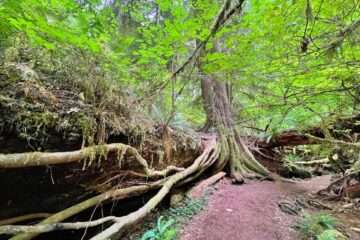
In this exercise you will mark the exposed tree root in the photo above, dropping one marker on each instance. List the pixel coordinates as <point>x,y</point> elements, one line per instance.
<point>199,190</point>
<point>43,228</point>
<point>204,161</point>
<point>24,218</point>
<point>73,210</point>
<point>88,155</point>
<point>241,161</point>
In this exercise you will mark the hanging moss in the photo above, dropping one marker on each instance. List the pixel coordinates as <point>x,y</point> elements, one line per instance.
<point>87,125</point>
<point>91,154</point>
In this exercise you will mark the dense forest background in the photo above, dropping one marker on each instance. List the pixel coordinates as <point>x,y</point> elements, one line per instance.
<point>108,100</point>
<point>289,63</point>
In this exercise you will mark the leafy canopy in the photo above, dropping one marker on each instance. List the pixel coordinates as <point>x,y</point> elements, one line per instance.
<point>290,63</point>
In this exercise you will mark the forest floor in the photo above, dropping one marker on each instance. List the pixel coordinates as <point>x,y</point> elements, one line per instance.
<point>251,211</point>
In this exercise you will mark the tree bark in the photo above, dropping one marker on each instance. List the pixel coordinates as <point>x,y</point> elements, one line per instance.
<point>217,105</point>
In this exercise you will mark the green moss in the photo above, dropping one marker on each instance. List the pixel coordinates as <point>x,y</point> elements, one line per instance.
<point>35,125</point>
<point>318,226</point>
<point>87,125</point>
<point>91,154</point>
<point>31,157</point>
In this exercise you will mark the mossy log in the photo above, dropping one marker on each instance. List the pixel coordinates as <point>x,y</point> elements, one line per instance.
<point>314,135</point>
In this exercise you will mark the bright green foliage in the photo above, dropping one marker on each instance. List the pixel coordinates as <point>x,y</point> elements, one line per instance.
<point>320,226</point>
<point>162,231</point>
<point>289,62</point>
<point>279,81</point>
<point>188,209</point>
<point>331,234</point>
<point>56,23</point>
<point>176,216</point>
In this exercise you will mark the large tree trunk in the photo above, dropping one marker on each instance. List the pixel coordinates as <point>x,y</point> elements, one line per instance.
<point>217,104</point>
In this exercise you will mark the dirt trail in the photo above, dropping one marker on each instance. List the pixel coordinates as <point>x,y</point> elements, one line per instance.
<point>249,212</point>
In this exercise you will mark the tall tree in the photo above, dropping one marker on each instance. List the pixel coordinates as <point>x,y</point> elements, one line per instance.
<point>216,95</point>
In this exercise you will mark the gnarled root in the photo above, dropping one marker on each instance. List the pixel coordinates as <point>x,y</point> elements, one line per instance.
<point>73,210</point>
<point>204,161</point>
<point>24,218</point>
<point>241,161</point>
<point>43,228</point>
<point>88,155</point>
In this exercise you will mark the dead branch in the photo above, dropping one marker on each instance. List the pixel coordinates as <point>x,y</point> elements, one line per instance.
<point>336,182</point>
<point>332,141</point>
<point>314,162</point>
<point>343,34</point>
<point>199,190</point>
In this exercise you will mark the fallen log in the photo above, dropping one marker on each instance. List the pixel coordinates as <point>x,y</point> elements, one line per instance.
<point>339,130</point>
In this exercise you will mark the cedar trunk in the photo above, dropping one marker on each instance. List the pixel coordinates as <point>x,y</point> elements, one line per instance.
<point>217,105</point>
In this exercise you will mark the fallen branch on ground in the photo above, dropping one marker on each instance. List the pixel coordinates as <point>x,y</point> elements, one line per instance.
<point>314,162</point>
<point>199,190</point>
<point>332,141</point>
<point>336,182</point>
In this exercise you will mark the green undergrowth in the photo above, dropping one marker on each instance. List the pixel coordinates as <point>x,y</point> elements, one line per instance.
<point>319,226</point>
<point>167,223</point>
<point>163,230</point>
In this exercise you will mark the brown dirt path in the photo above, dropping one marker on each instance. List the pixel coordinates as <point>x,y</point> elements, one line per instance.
<point>249,211</point>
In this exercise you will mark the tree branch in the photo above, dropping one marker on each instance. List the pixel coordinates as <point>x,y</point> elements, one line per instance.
<point>222,17</point>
